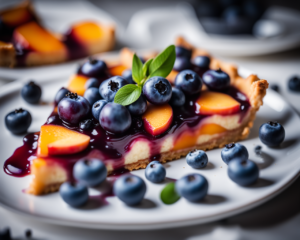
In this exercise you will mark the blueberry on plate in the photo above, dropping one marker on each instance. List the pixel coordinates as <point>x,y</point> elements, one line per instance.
<point>127,74</point>
<point>90,172</point>
<point>243,173</point>
<point>157,90</point>
<point>86,124</point>
<point>5,234</point>
<point>60,95</point>
<point>155,172</point>
<point>92,95</point>
<point>202,61</point>
<point>192,187</point>
<point>139,107</point>
<point>189,82</point>
<point>73,108</point>
<point>115,118</point>
<point>294,84</point>
<point>271,134</point>
<point>183,52</point>
<point>181,63</point>
<point>97,108</point>
<point>94,68</point>
<point>18,121</point>
<point>216,80</point>
<point>197,159</point>
<point>178,97</point>
<point>234,151</point>
<point>275,87</point>
<point>109,87</point>
<point>130,189</point>
<point>74,194</point>
<point>92,83</point>
<point>31,93</point>
<point>257,150</point>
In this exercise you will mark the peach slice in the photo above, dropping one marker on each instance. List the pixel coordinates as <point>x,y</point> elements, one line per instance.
<point>171,77</point>
<point>157,119</point>
<point>117,70</point>
<point>216,103</point>
<point>77,84</point>
<point>58,140</point>
<point>16,17</point>
<point>211,129</point>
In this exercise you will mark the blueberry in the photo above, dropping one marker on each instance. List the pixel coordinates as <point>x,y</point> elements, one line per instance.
<point>137,122</point>
<point>155,172</point>
<point>275,87</point>
<point>18,121</point>
<point>157,90</point>
<point>181,63</point>
<point>197,159</point>
<point>139,107</point>
<point>178,97</point>
<point>31,93</point>
<point>92,83</point>
<point>202,61</point>
<point>243,173</point>
<point>232,14</point>
<point>193,187</point>
<point>60,95</point>
<point>73,108</point>
<point>115,118</point>
<point>86,124</point>
<point>94,68</point>
<point>74,194</point>
<point>294,83</point>
<point>271,134</point>
<point>130,189</point>
<point>234,151</point>
<point>257,150</point>
<point>92,95</point>
<point>189,82</point>
<point>90,172</point>
<point>97,108</point>
<point>109,87</point>
<point>216,80</point>
<point>183,52</point>
<point>127,74</point>
<point>5,234</point>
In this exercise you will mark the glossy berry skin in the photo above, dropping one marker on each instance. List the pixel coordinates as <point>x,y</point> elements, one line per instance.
<point>234,151</point>
<point>130,189</point>
<point>271,134</point>
<point>183,52</point>
<point>192,187</point>
<point>109,87</point>
<point>202,61</point>
<point>92,83</point>
<point>181,63</point>
<point>73,108</point>
<point>97,108</point>
<point>94,68</point>
<point>74,194</point>
<point>18,121</point>
<point>86,124</point>
<point>178,98</point>
<point>157,90</point>
<point>60,95</point>
<point>92,95</point>
<point>243,173</point>
<point>294,84</point>
<point>216,80</point>
<point>31,93</point>
<point>90,172</point>
<point>197,159</point>
<point>155,172</point>
<point>127,74</point>
<point>139,107</point>
<point>189,82</point>
<point>115,118</point>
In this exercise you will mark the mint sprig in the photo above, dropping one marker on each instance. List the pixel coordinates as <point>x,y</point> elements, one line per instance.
<point>160,66</point>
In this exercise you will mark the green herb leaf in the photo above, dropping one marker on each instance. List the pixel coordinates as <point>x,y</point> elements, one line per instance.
<point>128,94</point>
<point>146,67</point>
<point>168,195</point>
<point>163,63</point>
<point>137,69</point>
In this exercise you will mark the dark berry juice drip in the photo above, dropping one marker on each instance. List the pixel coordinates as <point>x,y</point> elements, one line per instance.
<point>75,49</point>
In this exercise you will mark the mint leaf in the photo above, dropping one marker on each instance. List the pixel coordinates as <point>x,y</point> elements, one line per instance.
<point>146,67</point>
<point>163,63</point>
<point>128,94</point>
<point>137,69</point>
<point>168,195</point>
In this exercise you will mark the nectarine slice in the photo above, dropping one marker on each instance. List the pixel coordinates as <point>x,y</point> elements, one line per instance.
<point>171,77</point>
<point>58,140</point>
<point>185,140</point>
<point>117,70</point>
<point>216,103</point>
<point>77,84</point>
<point>211,128</point>
<point>157,119</point>
<point>16,17</point>
<point>87,31</point>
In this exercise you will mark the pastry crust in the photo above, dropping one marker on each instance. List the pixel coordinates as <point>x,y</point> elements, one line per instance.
<point>7,54</point>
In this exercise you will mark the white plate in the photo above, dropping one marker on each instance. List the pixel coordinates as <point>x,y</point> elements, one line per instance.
<point>278,168</point>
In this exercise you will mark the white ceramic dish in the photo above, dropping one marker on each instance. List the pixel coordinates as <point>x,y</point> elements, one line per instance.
<point>278,168</point>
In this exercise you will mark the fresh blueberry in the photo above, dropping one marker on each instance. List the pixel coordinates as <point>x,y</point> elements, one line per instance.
<point>92,95</point>
<point>109,87</point>
<point>271,134</point>
<point>94,68</point>
<point>181,63</point>
<point>137,122</point>
<point>73,108</point>
<point>183,52</point>
<point>97,108</point>
<point>243,173</point>
<point>189,82</point>
<point>257,150</point>
<point>157,90</point>
<point>233,151</point>
<point>86,124</point>
<point>127,74</point>
<point>5,234</point>
<point>74,194</point>
<point>139,107</point>
<point>178,97</point>
<point>155,172</point>
<point>193,187</point>
<point>130,189</point>
<point>294,84</point>
<point>90,172</point>
<point>18,121</point>
<point>275,87</point>
<point>216,80</point>
<point>60,95</point>
<point>197,159</point>
<point>202,61</point>
<point>92,83</point>
<point>115,118</point>
<point>31,93</point>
